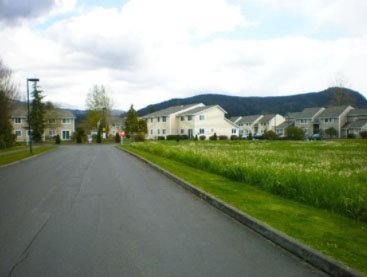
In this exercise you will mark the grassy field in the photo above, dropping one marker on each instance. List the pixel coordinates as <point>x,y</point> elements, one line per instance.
<point>329,174</point>
<point>335,235</point>
<point>16,156</point>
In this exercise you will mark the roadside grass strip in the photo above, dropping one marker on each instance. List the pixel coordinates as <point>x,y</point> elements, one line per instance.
<point>17,156</point>
<point>334,235</point>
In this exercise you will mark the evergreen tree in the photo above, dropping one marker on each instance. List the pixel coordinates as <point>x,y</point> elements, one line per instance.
<point>37,116</point>
<point>142,126</point>
<point>7,94</point>
<point>131,123</point>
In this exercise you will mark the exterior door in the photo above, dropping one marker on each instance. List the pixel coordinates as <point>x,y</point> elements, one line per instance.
<point>190,133</point>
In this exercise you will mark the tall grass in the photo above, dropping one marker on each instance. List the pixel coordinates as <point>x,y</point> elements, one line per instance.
<point>330,175</point>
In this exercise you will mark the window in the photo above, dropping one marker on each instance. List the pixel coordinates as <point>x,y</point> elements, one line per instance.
<point>182,118</point>
<point>66,121</point>
<point>189,117</point>
<point>182,131</point>
<point>234,131</point>
<point>51,133</point>
<point>159,131</point>
<point>151,131</point>
<point>201,131</point>
<point>201,117</point>
<point>159,120</point>
<point>65,135</point>
<point>163,131</point>
<point>18,133</point>
<point>17,120</point>
<point>164,118</point>
<point>151,120</point>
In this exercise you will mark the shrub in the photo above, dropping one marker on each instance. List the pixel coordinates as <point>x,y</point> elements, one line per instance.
<point>234,137</point>
<point>196,138</point>
<point>117,138</point>
<point>331,132</point>
<point>202,137</point>
<point>172,137</point>
<point>161,138</point>
<point>294,133</point>
<point>223,137</point>
<point>137,137</point>
<point>351,136</point>
<point>79,135</point>
<point>270,135</point>
<point>57,139</point>
<point>213,137</point>
<point>363,134</point>
<point>99,137</point>
<point>184,137</point>
<point>249,136</point>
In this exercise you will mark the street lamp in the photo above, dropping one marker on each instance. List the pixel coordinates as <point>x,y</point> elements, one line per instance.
<point>34,81</point>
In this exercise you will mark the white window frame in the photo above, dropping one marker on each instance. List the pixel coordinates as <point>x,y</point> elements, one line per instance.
<point>18,133</point>
<point>201,117</point>
<point>17,119</point>
<point>66,131</point>
<point>66,121</point>
<point>201,131</point>
<point>234,131</point>
<point>163,131</point>
<point>189,117</point>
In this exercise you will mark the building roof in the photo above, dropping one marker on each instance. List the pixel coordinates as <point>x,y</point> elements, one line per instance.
<point>249,118</point>
<point>19,111</point>
<point>293,115</point>
<point>171,110</point>
<point>266,118</point>
<point>285,124</point>
<point>358,112</point>
<point>308,113</point>
<point>198,110</point>
<point>333,111</point>
<point>356,124</point>
<point>235,119</point>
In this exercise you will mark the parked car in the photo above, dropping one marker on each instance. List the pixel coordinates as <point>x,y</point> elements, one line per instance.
<point>314,137</point>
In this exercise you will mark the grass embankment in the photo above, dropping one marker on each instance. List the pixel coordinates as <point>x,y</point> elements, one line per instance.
<point>335,235</point>
<point>11,157</point>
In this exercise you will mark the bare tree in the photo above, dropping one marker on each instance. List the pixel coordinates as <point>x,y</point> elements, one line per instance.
<point>339,93</point>
<point>7,96</point>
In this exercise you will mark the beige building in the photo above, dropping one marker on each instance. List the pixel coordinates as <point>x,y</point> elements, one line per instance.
<point>190,120</point>
<point>334,117</point>
<point>57,122</point>
<point>269,122</point>
<point>206,121</point>
<point>307,120</point>
<point>249,125</point>
<point>356,123</point>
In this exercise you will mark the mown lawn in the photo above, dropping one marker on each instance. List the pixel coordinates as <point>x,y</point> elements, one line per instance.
<point>336,235</point>
<point>16,156</point>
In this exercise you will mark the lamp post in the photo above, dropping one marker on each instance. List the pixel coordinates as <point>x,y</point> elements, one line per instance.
<point>34,81</point>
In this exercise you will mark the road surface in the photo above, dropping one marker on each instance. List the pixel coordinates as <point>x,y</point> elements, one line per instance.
<point>92,210</point>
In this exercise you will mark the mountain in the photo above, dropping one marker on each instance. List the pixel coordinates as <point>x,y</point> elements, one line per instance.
<point>236,105</point>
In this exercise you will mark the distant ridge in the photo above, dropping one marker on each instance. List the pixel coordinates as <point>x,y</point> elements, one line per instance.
<point>236,105</point>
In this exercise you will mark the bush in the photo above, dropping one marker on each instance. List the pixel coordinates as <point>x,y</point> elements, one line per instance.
<point>363,134</point>
<point>99,137</point>
<point>117,138</point>
<point>172,137</point>
<point>235,137</point>
<point>270,135</point>
<point>249,136</point>
<point>196,138</point>
<point>351,136</point>
<point>57,139</point>
<point>294,133</point>
<point>202,137</point>
<point>79,135</point>
<point>213,137</point>
<point>223,137</point>
<point>184,137</point>
<point>137,137</point>
<point>331,132</point>
<point>161,138</point>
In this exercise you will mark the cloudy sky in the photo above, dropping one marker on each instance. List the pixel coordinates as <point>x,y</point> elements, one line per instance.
<point>147,51</point>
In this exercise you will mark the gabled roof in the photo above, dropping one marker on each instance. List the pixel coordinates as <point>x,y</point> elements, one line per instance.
<point>356,124</point>
<point>249,118</point>
<point>266,118</point>
<point>333,111</point>
<point>171,110</point>
<point>285,124</point>
<point>308,113</point>
<point>358,112</point>
<point>199,110</point>
<point>19,111</point>
<point>292,115</point>
<point>235,119</point>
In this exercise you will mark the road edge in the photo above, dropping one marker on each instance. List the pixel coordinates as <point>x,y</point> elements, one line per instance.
<point>28,158</point>
<point>311,256</point>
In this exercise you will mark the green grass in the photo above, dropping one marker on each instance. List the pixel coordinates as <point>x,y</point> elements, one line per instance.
<point>327,174</point>
<point>13,148</point>
<point>13,157</point>
<point>334,235</point>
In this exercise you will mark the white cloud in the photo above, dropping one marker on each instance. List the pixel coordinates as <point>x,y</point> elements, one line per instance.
<point>150,51</point>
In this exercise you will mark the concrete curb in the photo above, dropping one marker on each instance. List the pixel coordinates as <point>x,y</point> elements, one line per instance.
<point>313,257</point>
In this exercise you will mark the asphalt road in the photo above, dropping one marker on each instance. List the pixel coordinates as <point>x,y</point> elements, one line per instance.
<point>95,211</point>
